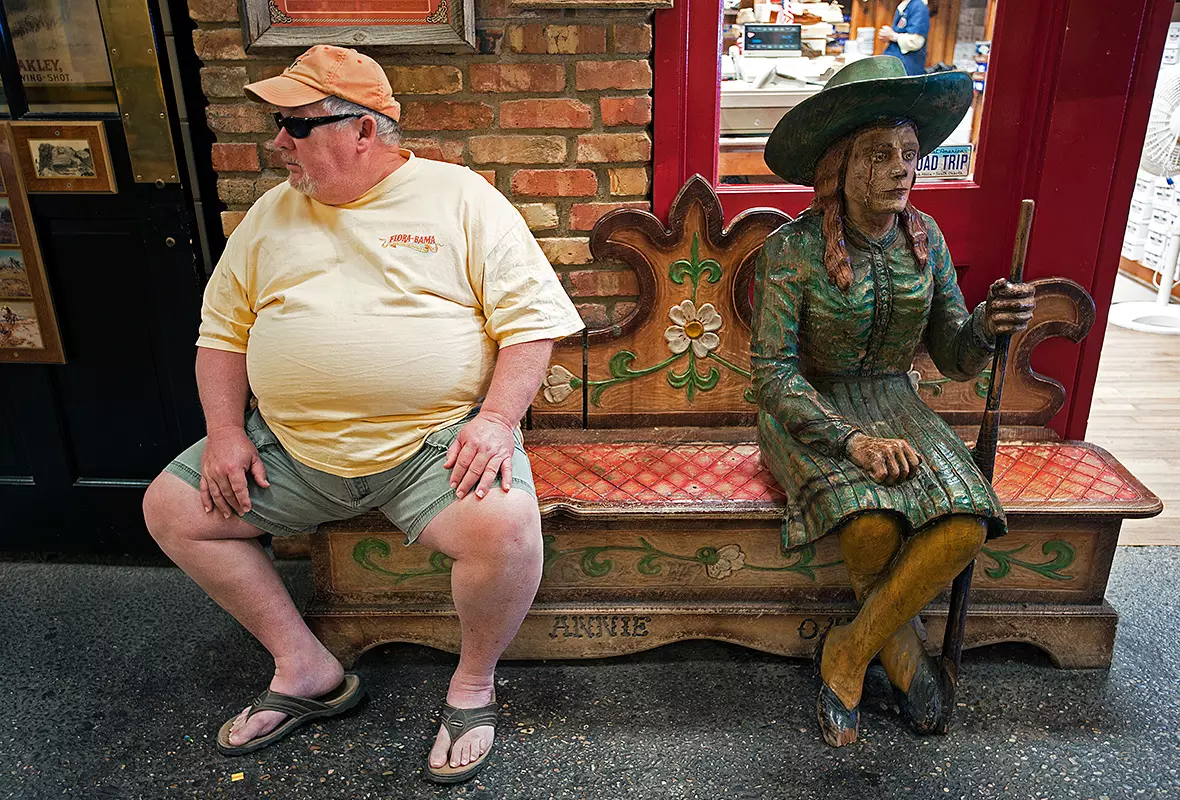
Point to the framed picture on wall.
(28, 325)
(438, 25)
(63, 65)
(63, 157)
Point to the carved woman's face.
(881, 169)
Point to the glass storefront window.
(776, 54)
(61, 55)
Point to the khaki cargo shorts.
(300, 498)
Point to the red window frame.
(687, 122)
(1069, 91)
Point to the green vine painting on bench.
(719, 563)
(1062, 552)
(692, 336)
(365, 549)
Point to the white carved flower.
(729, 560)
(915, 378)
(694, 326)
(559, 383)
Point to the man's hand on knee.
(482, 448)
(229, 456)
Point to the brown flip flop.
(459, 721)
(298, 710)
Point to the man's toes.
(239, 725)
(243, 733)
(247, 729)
(438, 753)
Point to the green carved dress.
(829, 363)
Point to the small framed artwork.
(28, 324)
(14, 276)
(71, 157)
(438, 25)
(7, 228)
(20, 327)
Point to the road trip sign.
(950, 161)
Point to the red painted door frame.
(1069, 91)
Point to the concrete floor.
(114, 680)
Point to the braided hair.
(829, 201)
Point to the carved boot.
(927, 704)
(838, 724)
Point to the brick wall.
(554, 110)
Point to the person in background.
(907, 35)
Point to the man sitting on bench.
(394, 318)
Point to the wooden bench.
(661, 524)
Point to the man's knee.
(167, 509)
(157, 514)
(498, 526)
(514, 527)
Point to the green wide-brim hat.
(859, 94)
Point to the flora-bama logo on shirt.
(420, 242)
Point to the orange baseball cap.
(328, 70)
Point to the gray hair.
(388, 131)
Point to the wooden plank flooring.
(1136, 416)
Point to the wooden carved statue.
(844, 294)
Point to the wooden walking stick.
(985, 458)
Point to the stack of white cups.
(1172, 46)
(864, 40)
(1140, 217)
(1162, 227)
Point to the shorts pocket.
(443, 438)
(259, 433)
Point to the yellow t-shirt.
(367, 326)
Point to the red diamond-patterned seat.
(720, 477)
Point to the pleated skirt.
(824, 492)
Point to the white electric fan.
(1161, 157)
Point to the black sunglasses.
(301, 127)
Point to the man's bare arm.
(484, 445)
(229, 454)
(223, 387)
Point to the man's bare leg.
(496, 546)
(225, 560)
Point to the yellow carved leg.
(869, 544)
(923, 567)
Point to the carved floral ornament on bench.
(685, 348)
(693, 333)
